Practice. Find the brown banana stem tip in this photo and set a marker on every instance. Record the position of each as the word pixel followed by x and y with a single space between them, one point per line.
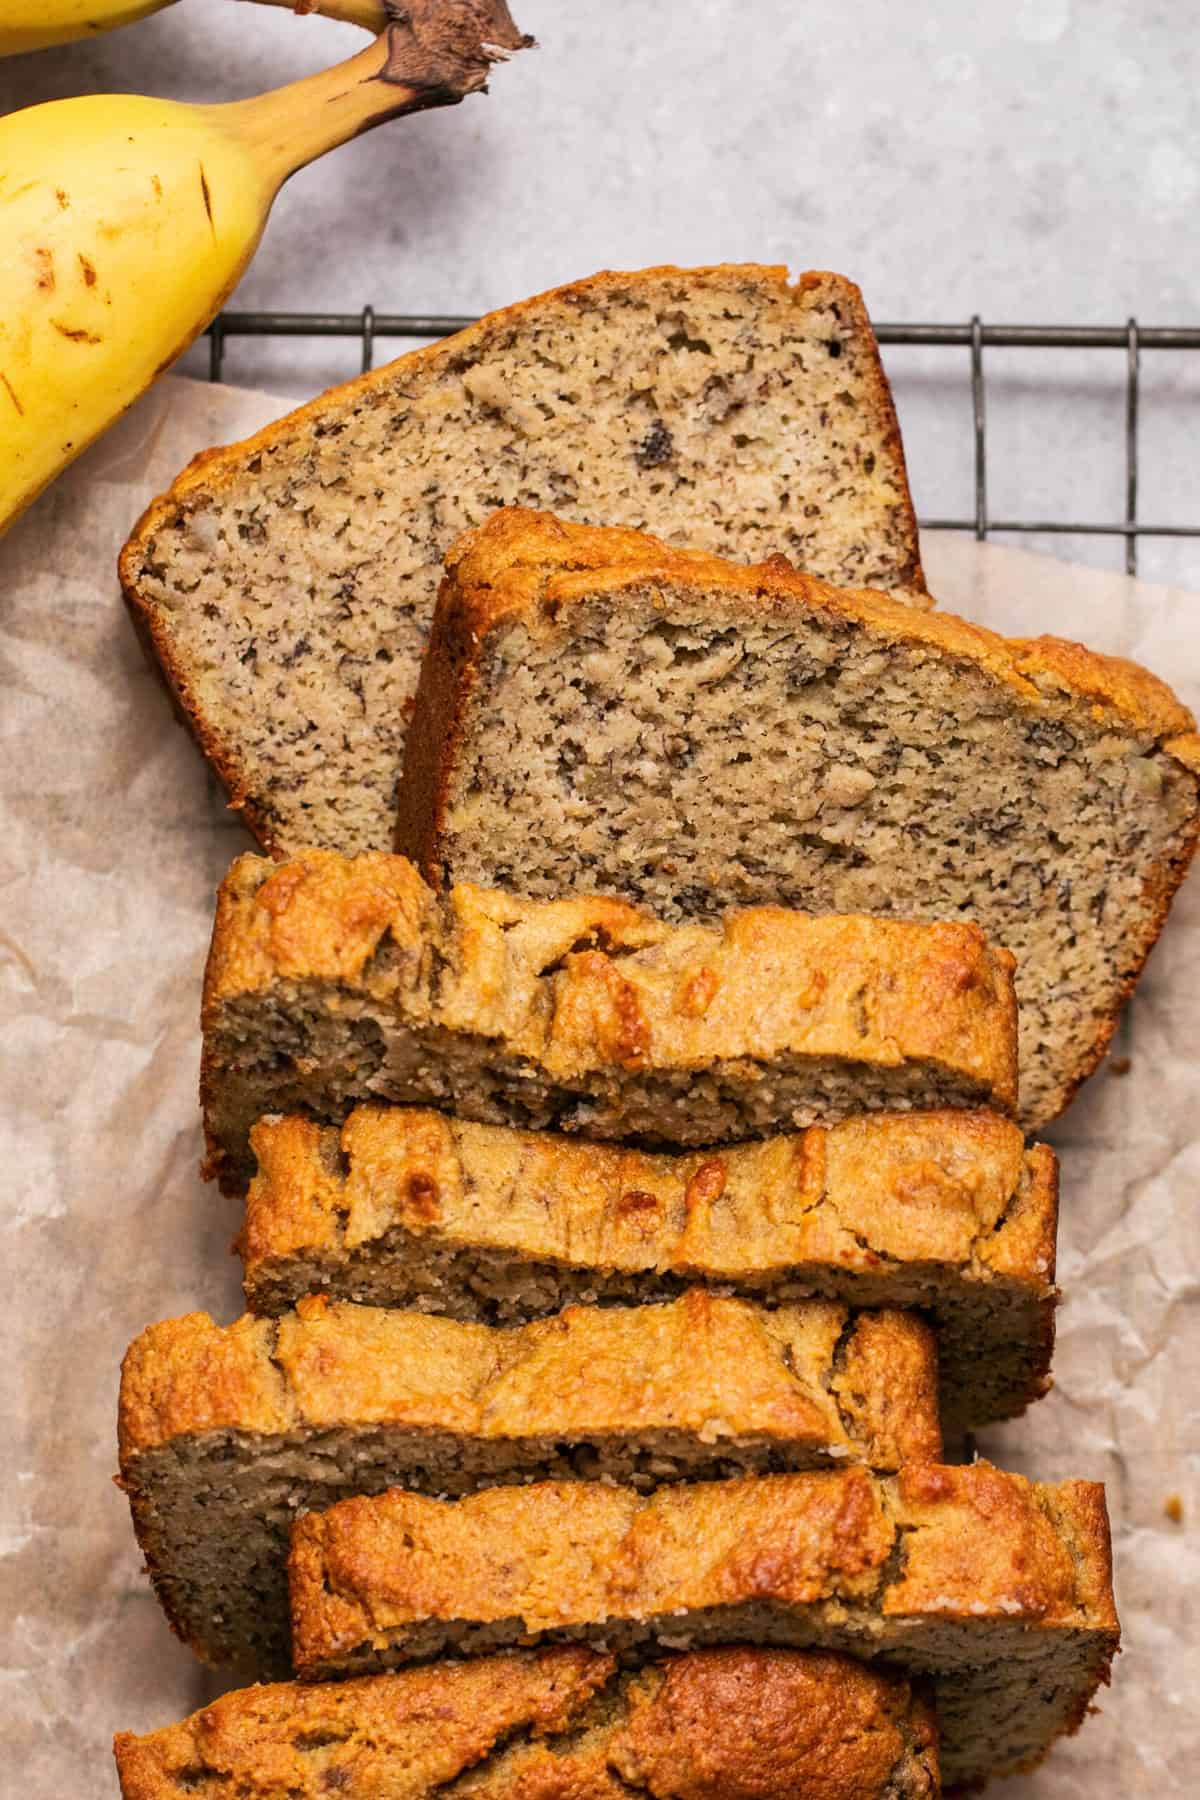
pixel 443 49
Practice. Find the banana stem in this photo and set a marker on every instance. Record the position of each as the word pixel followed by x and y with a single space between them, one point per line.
pixel 292 125
pixel 370 14
pixel 433 53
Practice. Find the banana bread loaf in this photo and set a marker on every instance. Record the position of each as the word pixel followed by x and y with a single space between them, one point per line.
pixel 945 1211
pixel 334 980
pixel 562 1724
pixel 227 1433
pixel 285 584
pixel 998 1590
pixel 600 713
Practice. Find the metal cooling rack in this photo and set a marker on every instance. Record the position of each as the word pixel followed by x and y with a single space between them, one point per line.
pixel 974 336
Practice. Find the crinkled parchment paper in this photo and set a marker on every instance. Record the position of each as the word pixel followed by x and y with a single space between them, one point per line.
pixel 112 841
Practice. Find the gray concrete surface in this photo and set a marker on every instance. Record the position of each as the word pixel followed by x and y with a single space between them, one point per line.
pixel 1036 160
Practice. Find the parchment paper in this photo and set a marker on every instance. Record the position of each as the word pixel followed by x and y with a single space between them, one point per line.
pixel 112 840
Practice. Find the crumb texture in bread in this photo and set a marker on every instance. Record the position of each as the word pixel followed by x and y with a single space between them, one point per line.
pixel 285 584
pixel 995 1589
pixel 946 1212
pixel 562 1724
pixel 334 980
pixel 600 712
pixel 228 1433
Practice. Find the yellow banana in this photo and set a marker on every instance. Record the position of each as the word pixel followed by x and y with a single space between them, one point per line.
pixel 35 24
pixel 125 222
pixel 372 15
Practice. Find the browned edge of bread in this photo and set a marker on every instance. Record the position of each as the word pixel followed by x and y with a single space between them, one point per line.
pixel 722 1724
pixel 978 1544
pixel 573 989
pixel 997 1588
pixel 225 1433
pixel 525 564
pixel 947 1212
pixel 810 1377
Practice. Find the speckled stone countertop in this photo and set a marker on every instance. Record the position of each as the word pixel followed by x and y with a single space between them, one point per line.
pixel 1033 161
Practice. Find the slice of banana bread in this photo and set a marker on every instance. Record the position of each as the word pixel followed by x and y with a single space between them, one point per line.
pixel 227 1433
pixel 561 1724
pixel 333 980
pixel 946 1211
pixel 285 584
pixel 997 1589
pixel 601 713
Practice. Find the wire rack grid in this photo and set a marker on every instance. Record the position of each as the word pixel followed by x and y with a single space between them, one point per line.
pixel 1133 339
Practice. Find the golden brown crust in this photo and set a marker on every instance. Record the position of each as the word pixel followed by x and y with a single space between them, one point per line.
pixel 439 1720
pixel 937 1186
pixel 192 1375
pixel 727 1724
pixel 992 1550
pixel 933 1186
pixel 944 1208
pixel 878 990
pixel 977 1544
pixel 575 988
pixel 562 1554
pixel 738 1724
pixel 1185 749
pixel 316 918
pixel 804 1378
pixel 532 566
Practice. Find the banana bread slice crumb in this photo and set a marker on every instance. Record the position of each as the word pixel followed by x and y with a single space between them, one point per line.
pixel 724 407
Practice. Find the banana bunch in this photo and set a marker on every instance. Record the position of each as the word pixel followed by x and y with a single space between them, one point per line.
pixel 35 24
pixel 125 222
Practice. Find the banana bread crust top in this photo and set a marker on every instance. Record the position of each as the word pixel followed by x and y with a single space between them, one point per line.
pixel 577 988
pixel 628 990
pixel 979 1543
pixel 808 1374
pixel 946 1211
pixel 928 1186
pixel 727 1724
